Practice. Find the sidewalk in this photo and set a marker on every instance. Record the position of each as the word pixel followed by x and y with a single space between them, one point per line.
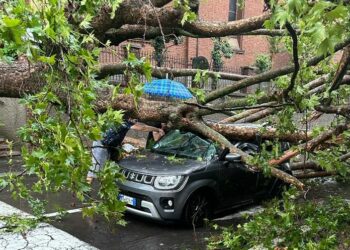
pixel 43 237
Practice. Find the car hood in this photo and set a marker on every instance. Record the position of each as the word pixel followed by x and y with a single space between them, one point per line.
pixel 147 162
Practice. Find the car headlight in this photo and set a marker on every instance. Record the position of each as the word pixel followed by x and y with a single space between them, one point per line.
pixel 167 182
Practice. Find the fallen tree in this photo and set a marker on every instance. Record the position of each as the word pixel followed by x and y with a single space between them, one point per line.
pixel 59 73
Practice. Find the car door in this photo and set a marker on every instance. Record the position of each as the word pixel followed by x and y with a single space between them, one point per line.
pixel 268 185
pixel 237 183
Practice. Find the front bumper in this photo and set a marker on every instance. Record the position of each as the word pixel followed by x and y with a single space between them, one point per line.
pixel 151 211
pixel 148 201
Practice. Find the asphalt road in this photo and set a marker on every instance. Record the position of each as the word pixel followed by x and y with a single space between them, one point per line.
pixel 144 234
pixel 139 233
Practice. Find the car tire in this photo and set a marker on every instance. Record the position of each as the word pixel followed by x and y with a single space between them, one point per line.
pixel 198 207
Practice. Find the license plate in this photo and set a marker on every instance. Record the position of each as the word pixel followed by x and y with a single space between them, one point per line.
pixel 127 199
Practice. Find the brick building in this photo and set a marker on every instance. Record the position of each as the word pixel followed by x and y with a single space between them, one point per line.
pixel 246 48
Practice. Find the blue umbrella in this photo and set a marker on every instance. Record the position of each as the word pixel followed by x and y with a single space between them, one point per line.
pixel 167 88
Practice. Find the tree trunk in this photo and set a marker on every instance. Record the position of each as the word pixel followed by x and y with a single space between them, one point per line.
pixel 20 78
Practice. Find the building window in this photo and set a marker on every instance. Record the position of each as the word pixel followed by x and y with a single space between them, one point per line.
pixel 235 13
pixel 232 13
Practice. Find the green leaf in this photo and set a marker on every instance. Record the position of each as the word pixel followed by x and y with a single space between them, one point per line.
pixel 147 70
pixel 115 5
pixel 281 17
pixel 197 77
pixel 199 93
pixel 86 22
pixel 318 32
pixel 340 12
pixel 11 22
pixel 188 16
pixel 295 6
pixel 50 60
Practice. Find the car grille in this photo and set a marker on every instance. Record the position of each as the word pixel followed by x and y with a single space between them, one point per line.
pixel 137 177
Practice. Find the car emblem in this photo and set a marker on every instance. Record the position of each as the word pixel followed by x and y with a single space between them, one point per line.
pixel 132 176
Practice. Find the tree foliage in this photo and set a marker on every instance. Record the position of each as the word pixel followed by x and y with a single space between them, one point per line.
pixel 54 45
pixel 221 48
pixel 291 224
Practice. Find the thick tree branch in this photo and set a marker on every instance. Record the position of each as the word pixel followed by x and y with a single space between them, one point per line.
pixel 267 76
pixel 317 82
pixel 305 165
pixel 133 12
pixel 129 31
pixel 265 105
pixel 321 88
pixel 220 29
pixel 201 128
pixel 342 68
pixel 314 174
pixel 240 116
pixel 314 165
pixel 310 145
pixel 20 78
pixel 311 86
pixel 236 132
pixel 239 102
pixel 162 72
pixel 343 110
pixel 259 115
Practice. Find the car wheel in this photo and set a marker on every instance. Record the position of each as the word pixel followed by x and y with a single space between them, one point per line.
pixel 197 208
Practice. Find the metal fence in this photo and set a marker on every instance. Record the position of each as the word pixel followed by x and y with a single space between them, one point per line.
pixel 116 54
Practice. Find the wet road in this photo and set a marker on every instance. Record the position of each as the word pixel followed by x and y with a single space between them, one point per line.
pixel 144 234
pixel 137 234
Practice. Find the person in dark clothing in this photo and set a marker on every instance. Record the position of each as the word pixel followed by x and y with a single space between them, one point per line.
pixel 109 146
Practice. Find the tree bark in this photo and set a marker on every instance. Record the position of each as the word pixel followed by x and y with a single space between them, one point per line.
pixel 241 115
pixel 267 76
pixel 314 87
pixel 259 115
pixel 132 31
pixel 343 110
pixel 20 78
pixel 218 137
pixel 314 165
pixel 314 174
pixel 133 12
pixel 310 145
pixel 162 72
pixel 221 29
pixel 317 82
pixel 235 132
pixel 342 68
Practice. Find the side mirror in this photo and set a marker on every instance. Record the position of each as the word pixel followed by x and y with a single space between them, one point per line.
pixel 233 158
pixel 222 156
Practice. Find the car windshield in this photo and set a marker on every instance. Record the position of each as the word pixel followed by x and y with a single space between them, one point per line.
pixel 185 144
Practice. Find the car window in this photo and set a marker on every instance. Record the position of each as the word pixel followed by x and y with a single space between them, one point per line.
pixel 212 152
pixel 184 144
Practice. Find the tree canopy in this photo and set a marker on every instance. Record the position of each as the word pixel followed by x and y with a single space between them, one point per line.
pixel 49 58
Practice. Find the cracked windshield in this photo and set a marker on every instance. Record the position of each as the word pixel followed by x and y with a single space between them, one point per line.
pixel 185 144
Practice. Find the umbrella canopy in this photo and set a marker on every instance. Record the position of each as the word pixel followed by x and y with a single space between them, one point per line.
pixel 167 88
